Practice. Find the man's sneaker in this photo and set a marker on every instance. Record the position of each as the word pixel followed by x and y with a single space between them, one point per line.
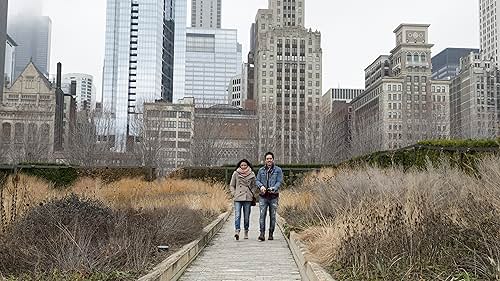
pixel 237 235
pixel 261 237
pixel 245 234
pixel 270 236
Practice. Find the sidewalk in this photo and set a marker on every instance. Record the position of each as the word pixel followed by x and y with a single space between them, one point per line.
pixel 228 259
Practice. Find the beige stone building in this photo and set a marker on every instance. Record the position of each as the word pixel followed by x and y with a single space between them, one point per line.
pixel 401 105
pixel 475 99
pixel 288 83
pixel 27 114
pixel 168 133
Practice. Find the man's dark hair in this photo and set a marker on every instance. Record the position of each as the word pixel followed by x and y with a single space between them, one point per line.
pixel 244 161
pixel 269 153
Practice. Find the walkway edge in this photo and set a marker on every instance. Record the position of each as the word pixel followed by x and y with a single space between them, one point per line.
pixel 309 271
pixel 174 266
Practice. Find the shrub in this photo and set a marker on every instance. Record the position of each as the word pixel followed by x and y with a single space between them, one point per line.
pixel 458 143
pixel 87 237
pixel 61 177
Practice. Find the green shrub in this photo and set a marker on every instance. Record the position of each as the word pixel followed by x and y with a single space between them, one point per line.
pixel 65 176
pixel 456 143
pixel 61 177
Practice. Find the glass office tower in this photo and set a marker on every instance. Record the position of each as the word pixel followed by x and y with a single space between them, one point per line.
pixel 213 57
pixel 138 61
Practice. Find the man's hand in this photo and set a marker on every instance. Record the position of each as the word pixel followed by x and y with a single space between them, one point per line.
pixel 262 190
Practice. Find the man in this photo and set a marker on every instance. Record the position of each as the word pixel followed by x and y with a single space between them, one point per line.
pixel 269 179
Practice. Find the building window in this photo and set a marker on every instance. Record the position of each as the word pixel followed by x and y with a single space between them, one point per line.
pixel 19 132
pixel 6 133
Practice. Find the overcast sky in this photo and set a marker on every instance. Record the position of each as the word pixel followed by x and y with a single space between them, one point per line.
pixel 353 32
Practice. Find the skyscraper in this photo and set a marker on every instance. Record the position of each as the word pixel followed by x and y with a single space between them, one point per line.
pixel 213 57
pixel 138 60
pixel 3 38
pixel 288 85
pixel 85 89
pixel 489 23
pixel 206 13
pixel 33 37
pixel 180 18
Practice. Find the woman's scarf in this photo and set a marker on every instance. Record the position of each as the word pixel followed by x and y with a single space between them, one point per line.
pixel 244 173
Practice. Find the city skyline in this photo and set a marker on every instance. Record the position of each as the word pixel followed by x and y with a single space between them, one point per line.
pixel 338 22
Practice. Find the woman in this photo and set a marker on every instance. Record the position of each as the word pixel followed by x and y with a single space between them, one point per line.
pixel 242 187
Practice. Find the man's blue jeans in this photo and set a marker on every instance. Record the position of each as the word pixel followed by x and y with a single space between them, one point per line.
pixel 247 206
pixel 264 204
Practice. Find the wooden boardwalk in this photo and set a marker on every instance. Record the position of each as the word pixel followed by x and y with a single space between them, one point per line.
pixel 227 259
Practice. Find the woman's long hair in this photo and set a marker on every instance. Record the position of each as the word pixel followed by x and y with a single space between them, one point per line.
pixel 244 161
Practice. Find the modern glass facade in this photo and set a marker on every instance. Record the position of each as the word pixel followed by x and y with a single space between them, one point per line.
pixel 213 57
pixel 445 64
pixel 33 37
pixel 136 64
pixel 10 59
pixel 180 18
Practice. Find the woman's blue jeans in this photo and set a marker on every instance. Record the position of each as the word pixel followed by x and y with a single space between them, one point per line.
pixel 247 206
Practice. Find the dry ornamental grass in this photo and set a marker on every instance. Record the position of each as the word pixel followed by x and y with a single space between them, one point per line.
pixel 96 231
pixel 373 224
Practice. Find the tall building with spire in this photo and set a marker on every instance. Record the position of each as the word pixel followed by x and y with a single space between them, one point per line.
pixel 288 82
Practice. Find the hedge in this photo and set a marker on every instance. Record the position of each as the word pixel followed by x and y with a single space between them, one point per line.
pixel 461 153
pixel 223 174
pixel 65 176
pixel 470 143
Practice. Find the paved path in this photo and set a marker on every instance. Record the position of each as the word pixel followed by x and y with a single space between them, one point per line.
pixel 227 259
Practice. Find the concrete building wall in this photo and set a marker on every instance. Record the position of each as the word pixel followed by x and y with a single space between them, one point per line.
pixel 170 127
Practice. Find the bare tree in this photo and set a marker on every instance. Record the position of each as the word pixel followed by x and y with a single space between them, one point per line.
pixel 147 145
pixel 210 140
pixel 88 142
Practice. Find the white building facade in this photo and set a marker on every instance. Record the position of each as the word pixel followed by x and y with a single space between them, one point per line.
pixel 85 90
pixel 489 26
